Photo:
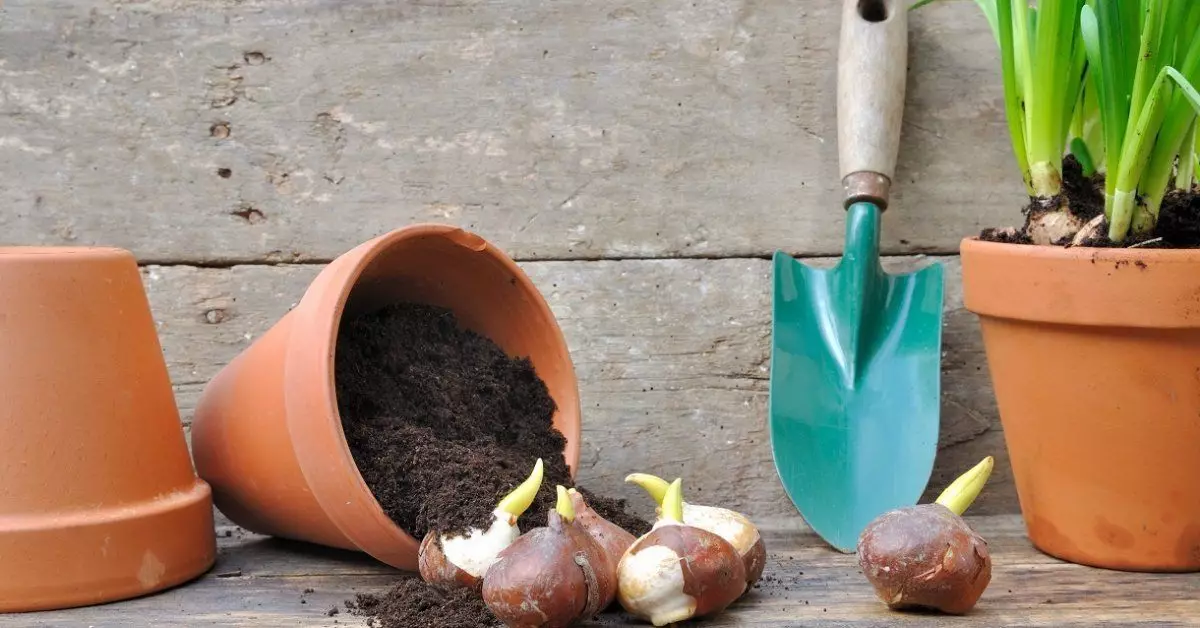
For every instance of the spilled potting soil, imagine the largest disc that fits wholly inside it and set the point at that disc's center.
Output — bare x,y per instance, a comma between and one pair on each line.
442,424
413,604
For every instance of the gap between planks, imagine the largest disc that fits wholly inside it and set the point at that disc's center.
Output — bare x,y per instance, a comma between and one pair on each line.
231,263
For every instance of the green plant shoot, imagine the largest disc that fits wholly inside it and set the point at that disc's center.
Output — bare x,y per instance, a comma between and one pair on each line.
1147,105
1043,64
1189,159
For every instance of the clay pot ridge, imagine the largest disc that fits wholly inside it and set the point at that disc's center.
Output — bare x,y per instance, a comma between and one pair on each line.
267,433
1093,355
99,501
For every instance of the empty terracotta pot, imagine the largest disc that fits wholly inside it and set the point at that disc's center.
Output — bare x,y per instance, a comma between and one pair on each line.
267,434
98,498
1095,360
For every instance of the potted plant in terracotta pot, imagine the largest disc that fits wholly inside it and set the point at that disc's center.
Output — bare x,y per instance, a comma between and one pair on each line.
420,379
1090,312
98,498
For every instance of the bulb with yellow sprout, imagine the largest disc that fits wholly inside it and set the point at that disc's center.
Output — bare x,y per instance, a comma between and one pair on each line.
926,556
463,560
730,525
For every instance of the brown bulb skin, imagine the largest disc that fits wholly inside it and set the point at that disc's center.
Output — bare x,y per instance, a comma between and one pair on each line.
551,577
714,574
925,557
755,560
608,535
435,568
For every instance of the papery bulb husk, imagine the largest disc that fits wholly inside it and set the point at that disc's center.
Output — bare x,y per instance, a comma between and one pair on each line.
925,557
677,572
550,577
611,538
735,528
435,568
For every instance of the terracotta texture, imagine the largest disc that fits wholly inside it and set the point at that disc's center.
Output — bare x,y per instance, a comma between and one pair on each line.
267,434
98,498
1095,360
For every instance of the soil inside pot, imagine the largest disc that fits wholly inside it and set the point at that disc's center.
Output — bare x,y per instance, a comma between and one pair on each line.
442,423
1178,224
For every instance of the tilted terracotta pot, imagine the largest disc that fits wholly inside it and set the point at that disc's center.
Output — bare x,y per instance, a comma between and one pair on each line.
267,434
98,498
1095,360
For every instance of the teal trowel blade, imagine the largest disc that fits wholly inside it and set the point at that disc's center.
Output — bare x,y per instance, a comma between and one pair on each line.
855,383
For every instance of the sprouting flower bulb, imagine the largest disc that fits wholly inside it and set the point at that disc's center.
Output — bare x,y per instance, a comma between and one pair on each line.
926,556
612,539
730,525
462,560
552,576
678,571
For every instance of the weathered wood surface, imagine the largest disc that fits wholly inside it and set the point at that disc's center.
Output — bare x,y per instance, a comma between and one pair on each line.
265,582
672,357
192,131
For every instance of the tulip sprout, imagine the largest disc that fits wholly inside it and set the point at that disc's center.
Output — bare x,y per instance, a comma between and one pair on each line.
962,491
563,506
521,498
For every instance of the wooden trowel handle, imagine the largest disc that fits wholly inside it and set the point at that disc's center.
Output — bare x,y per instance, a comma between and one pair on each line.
872,65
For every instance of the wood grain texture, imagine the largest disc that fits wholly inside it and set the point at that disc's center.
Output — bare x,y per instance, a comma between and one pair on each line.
265,582
872,72
215,132
672,357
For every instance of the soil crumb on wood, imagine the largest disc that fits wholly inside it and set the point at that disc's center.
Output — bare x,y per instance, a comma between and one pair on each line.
1178,223
442,423
414,604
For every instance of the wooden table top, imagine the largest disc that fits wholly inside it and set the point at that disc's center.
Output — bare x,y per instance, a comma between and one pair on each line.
260,581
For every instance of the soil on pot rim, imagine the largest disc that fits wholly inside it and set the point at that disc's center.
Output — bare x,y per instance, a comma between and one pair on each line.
442,423
1178,224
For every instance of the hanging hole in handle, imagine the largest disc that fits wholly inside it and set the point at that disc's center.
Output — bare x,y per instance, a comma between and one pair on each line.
873,10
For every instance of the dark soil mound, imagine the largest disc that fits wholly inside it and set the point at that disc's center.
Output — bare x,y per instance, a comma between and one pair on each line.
442,423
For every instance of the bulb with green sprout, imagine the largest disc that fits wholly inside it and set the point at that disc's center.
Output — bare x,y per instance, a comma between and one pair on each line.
678,571
926,556
553,576
730,525
463,560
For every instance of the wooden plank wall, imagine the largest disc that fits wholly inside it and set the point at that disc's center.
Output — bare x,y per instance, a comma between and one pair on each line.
641,159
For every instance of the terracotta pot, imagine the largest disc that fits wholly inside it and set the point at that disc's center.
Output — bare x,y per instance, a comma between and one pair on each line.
1095,360
267,434
98,498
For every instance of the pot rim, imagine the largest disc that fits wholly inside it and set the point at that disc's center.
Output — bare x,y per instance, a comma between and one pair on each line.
1082,253
40,253
312,411
1081,286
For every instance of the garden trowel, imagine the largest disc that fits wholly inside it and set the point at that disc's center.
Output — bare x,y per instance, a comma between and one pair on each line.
856,352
